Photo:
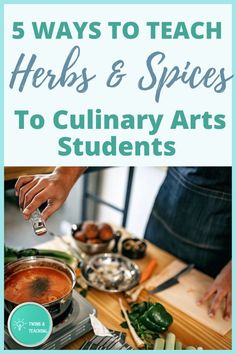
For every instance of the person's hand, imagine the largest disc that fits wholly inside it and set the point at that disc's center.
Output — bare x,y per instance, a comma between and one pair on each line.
220,292
34,190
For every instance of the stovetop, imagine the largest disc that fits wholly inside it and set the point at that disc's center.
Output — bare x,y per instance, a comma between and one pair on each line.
74,326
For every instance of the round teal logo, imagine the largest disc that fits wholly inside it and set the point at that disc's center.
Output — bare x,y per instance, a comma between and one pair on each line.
30,324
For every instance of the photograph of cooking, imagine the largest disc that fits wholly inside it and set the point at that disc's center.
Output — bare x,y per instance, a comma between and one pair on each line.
122,257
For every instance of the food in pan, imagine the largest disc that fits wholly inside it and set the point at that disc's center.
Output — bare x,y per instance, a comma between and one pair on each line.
37,284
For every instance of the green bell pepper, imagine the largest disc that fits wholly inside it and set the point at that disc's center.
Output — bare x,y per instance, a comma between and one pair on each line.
156,318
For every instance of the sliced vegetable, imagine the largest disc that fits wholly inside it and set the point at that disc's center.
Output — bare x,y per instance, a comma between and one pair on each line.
178,345
138,341
159,344
170,341
190,348
147,272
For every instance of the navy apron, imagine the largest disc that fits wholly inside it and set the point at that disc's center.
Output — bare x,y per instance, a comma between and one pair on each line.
191,216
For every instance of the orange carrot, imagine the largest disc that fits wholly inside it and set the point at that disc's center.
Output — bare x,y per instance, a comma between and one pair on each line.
147,272
77,272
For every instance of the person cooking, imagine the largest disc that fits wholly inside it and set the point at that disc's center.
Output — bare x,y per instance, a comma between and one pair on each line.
191,218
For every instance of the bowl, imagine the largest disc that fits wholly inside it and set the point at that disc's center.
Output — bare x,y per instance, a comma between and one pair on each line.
110,272
133,248
90,248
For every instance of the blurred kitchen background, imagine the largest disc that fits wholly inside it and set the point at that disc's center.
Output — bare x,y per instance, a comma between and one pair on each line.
99,196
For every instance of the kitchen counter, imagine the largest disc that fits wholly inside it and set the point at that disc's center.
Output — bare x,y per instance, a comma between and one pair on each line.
12,173
187,330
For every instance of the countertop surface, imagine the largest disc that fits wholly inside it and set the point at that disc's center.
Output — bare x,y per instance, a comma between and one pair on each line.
186,329
12,173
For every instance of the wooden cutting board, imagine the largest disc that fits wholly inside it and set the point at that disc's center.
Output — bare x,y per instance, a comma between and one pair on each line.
184,295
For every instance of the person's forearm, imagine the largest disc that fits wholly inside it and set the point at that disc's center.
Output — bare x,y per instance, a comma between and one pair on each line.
70,174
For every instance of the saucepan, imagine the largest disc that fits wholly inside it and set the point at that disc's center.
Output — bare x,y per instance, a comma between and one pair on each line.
44,280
